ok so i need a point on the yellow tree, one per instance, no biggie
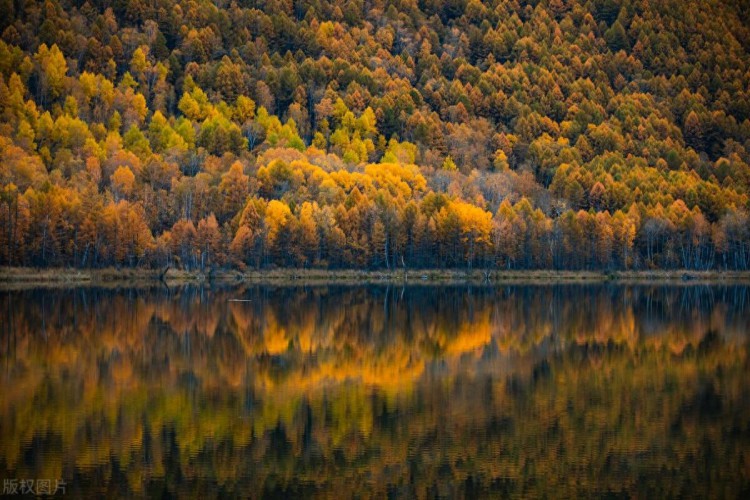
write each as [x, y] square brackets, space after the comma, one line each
[128, 237]
[278, 218]
[508, 233]
[52, 68]
[185, 243]
[209, 241]
[123, 181]
[476, 229]
[309, 237]
[233, 189]
[247, 244]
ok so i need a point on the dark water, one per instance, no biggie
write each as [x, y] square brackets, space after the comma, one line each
[526, 391]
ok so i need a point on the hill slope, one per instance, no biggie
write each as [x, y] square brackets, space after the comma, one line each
[566, 134]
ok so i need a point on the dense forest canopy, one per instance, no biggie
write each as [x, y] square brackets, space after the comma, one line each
[552, 133]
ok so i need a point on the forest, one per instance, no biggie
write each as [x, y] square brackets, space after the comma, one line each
[549, 134]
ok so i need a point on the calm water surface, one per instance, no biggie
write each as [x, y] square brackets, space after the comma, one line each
[526, 391]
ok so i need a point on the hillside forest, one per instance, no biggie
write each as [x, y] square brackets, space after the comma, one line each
[565, 134]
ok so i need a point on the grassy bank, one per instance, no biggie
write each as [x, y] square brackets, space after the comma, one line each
[11, 277]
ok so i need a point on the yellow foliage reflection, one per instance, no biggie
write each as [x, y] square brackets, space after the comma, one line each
[344, 389]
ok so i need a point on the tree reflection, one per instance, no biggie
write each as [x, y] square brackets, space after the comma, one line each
[422, 391]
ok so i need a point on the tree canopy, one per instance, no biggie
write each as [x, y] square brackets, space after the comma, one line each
[553, 133]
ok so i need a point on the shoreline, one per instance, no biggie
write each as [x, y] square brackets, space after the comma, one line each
[62, 277]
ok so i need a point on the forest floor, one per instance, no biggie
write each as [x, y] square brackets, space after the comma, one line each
[15, 277]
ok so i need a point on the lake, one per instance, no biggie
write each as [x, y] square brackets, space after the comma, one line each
[383, 391]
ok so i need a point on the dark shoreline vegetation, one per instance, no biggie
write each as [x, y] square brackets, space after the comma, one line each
[552, 134]
[58, 277]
